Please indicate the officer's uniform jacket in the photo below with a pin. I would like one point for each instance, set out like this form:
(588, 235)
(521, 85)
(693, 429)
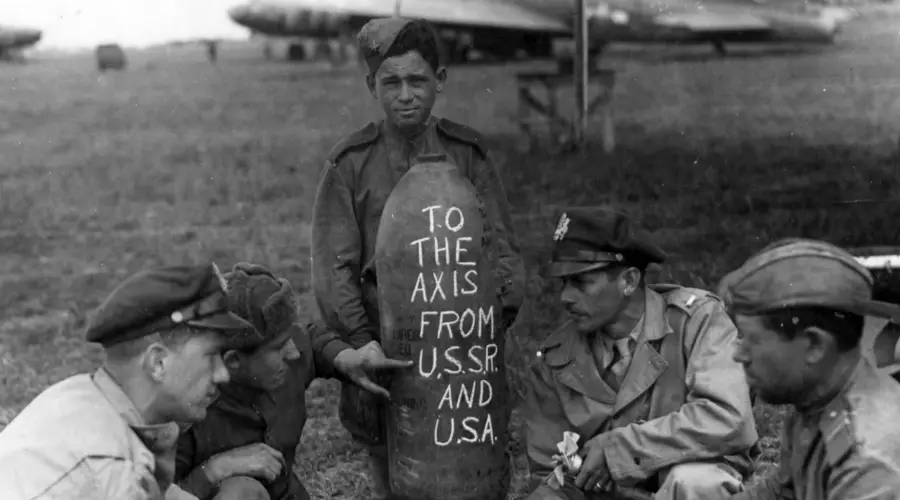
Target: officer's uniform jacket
(82, 438)
(359, 176)
(846, 449)
(683, 399)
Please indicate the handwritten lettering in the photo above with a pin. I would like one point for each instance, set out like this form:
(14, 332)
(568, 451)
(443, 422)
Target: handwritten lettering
(463, 414)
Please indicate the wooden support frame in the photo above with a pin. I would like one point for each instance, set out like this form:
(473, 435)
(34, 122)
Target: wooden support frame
(564, 131)
(570, 133)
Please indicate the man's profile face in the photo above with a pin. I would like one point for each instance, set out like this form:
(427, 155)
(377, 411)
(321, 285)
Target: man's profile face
(406, 86)
(265, 368)
(192, 376)
(774, 365)
(593, 299)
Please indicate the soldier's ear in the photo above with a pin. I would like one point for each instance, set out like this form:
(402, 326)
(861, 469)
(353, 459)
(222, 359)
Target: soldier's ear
(818, 343)
(370, 83)
(232, 359)
(156, 359)
(630, 280)
(441, 76)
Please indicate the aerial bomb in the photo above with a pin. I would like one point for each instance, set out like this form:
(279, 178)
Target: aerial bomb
(448, 415)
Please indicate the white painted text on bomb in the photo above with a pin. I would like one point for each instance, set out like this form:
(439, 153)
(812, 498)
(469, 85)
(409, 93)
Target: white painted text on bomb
(464, 324)
(477, 359)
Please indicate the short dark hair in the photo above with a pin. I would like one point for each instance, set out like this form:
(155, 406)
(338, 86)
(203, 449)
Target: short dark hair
(846, 328)
(420, 36)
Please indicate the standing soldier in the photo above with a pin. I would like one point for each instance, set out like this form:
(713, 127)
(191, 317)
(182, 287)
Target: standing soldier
(643, 375)
(246, 447)
(111, 435)
(800, 306)
(405, 76)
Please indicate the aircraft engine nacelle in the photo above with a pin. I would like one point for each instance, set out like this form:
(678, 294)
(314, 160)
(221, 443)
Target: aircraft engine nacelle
(317, 24)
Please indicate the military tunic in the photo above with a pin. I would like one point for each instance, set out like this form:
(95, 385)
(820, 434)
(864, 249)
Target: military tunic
(357, 179)
(847, 448)
(683, 398)
(243, 416)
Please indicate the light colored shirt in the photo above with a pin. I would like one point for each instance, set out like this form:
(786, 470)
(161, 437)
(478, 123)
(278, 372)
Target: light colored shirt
(82, 438)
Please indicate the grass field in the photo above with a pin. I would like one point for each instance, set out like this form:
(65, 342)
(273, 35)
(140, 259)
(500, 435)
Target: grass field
(179, 161)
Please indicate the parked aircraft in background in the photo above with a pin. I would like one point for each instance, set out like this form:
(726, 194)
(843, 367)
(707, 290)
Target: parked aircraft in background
(528, 28)
(14, 39)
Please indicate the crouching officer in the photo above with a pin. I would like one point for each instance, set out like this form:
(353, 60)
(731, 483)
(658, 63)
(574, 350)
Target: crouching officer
(800, 306)
(246, 448)
(643, 375)
(111, 434)
(405, 76)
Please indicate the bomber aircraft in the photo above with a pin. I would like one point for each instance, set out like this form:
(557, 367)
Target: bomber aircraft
(527, 28)
(13, 40)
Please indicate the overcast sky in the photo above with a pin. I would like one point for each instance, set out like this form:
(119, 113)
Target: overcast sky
(86, 23)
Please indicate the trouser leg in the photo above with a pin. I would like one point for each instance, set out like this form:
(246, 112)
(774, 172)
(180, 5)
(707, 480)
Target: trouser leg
(241, 488)
(699, 481)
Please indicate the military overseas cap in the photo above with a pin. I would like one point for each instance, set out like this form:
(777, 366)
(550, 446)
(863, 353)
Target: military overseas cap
(261, 299)
(801, 272)
(163, 298)
(378, 35)
(590, 238)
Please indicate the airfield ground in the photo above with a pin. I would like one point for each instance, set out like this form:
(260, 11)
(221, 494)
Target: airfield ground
(178, 161)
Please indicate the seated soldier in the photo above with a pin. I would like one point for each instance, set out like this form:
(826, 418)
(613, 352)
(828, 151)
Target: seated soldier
(245, 448)
(642, 374)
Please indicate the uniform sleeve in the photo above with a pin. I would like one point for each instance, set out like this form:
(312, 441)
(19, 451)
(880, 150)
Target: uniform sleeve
(326, 344)
(189, 475)
(510, 267)
(864, 477)
(336, 266)
(716, 419)
(94, 478)
(545, 423)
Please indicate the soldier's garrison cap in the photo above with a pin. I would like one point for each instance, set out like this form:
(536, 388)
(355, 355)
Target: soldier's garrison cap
(591, 238)
(801, 272)
(377, 36)
(261, 299)
(163, 298)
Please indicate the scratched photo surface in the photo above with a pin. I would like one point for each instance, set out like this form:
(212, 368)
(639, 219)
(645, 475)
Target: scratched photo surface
(173, 160)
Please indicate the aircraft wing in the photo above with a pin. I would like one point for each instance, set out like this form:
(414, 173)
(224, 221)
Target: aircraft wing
(486, 13)
(708, 21)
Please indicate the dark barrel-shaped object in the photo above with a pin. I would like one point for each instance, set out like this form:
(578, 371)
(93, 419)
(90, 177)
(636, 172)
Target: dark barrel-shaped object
(110, 56)
(447, 420)
(880, 338)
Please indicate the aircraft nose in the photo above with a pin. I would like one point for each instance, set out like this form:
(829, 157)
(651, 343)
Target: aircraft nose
(239, 13)
(33, 36)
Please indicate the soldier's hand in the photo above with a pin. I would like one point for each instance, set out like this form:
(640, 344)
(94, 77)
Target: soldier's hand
(594, 474)
(255, 460)
(354, 363)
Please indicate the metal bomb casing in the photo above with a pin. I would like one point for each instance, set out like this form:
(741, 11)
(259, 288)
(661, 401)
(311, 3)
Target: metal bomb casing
(448, 416)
